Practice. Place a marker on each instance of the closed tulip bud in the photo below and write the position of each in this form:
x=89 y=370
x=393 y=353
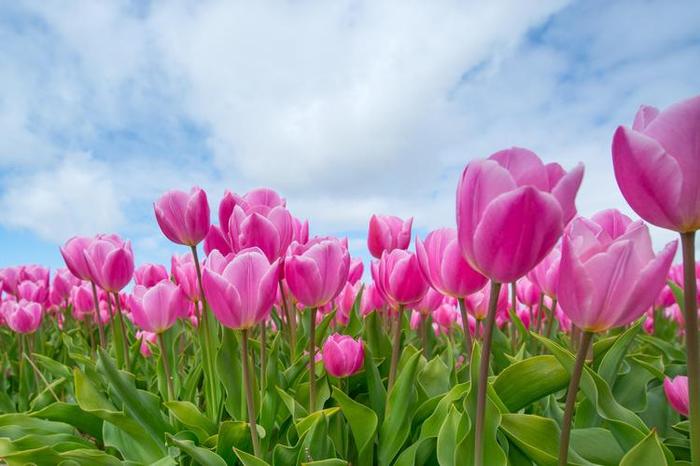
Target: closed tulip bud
x=342 y=355
x=271 y=230
x=317 y=271
x=445 y=316
x=676 y=390
x=156 y=309
x=73 y=252
x=478 y=303
x=371 y=300
x=527 y=292
x=183 y=217
x=184 y=271
x=431 y=301
x=149 y=274
x=444 y=267
x=399 y=278
x=511 y=211
x=345 y=301
x=63 y=283
x=23 y=316
x=656 y=164
x=387 y=232
x=609 y=276
x=83 y=302
x=111 y=262
x=242 y=294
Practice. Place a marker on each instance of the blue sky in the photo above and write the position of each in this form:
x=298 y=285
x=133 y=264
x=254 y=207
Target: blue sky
x=347 y=108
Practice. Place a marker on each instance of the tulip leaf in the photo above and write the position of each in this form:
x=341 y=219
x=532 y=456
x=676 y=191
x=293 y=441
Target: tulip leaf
x=610 y=363
x=190 y=416
x=72 y=414
x=400 y=404
x=434 y=377
x=198 y=454
x=529 y=380
x=375 y=386
x=597 y=445
x=230 y=373
x=449 y=436
x=363 y=421
x=648 y=452
x=232 y=434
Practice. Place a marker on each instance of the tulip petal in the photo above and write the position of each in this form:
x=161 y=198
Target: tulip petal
x=575 y=287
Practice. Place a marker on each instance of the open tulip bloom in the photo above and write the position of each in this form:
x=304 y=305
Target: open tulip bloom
x=277 y=348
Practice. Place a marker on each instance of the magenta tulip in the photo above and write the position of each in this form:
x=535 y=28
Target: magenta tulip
x=676 y=390
x=342 y=355
x=431 y=301
x=23 y=316
x=73 y=253
x=149 y=274
x=184 y=271
x=478 y=303
x=156 y=309
x=399 y=278
x=545 y=275
x=271 y=230
x=9 y=278
x=110 y=262
x=345 y=301
x=36 y=292
x=183 y=217
x=357 y=268
x=63 y=283
x=609 y=275
x=527 y=292
x=657 y=165
x=242 y=294
x=82 y=300
x=371 y=300
x=317 y=271
x=511 y=211
x=444 y=267
x=387 y=232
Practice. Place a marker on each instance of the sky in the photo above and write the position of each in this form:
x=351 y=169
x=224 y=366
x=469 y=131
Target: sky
x=347 y=108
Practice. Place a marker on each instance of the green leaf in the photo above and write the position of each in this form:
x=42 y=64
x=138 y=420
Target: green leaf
x=230 y=373
x=614 y=356
x=648 y=452
x=375 y=386
x=434 y=378
x=233 y=434
x=527 y=381
x=448 y=438
x=396 y=426
x=189 y=415
x=328 y=462
x=199 y=454
x=597 y=445
x=72 y=414
x=363 y=421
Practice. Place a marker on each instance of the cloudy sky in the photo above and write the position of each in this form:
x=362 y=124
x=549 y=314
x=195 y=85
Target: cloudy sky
x=346 y=107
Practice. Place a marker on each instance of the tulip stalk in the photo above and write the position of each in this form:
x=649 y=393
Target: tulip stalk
x=117 y=334
x=312 y=360
x=691 y=332
x=395 y=348
x=206 y=345
x=263 y=356
x=166 y=367
x=586 y=340
x=424 y=324
x=465 y=327
x=248 y=382
x=100 y=328
x=291 y=323
x=484 y=376
x=122 y=328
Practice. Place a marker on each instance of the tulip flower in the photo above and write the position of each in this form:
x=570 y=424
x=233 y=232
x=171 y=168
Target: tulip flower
x=83 y=303
x=241 y=296
x=29 y=290
x=184 y=271
x=9 y=277
x=345 y=301
x=149 y=274
x=23 y=317
x=656 y=164
x=183 y=217
x=386 y=233
x=271 y=230
x=342 y=355
x=609 y=276
x=676 y=390
x=61 y=286
x=371 y=300
x=357 y=268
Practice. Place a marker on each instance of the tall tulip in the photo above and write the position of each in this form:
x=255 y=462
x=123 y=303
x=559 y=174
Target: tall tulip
x=400 y=280
x=316 y=272
x=386 y=233
x=183 y=217
x=609 y=276
x=342 y=355
x=657 y=163
x=511 y=211
x=149 y=274
x=23 y=317
x=241 y=291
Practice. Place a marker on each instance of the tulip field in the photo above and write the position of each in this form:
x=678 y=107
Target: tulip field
x=521 y=334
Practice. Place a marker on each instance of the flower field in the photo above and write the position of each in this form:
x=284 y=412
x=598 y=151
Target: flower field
x=522 y=334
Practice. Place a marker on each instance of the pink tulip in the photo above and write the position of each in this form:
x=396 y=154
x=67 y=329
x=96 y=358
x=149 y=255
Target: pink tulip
x=147 y=339
x=609 y=276
x=444 y=267
x=527 y=292
x=317 y=271
x=524 y=316
x=399 y=278
x=676 y=390
x=342 y=356
x=345 y=301
x=149 y=274
x=445 y=316
x=63 y=283
x=657 y=165
x=478 y=303
x=242 y=294
x=83 y=303
x=183 y=218
x=387 y=233
x=545 y=275
x=300 y=229
x=36 y=292
x=371 y=300
x=184 y=271
x=111 y=262
x=9 y=277
x=216 y=240
x=73 y=252
x=511 y=211
x=260 y=199
x=156 y=309
x=431 y=301
x=271 y=230
x=357 y=268
x=416 y=320
x=23 y=316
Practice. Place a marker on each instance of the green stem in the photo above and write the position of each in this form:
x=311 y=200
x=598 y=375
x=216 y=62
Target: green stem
x=484 y=377
x=125 y=335
x=166 y=367
x=550 y=318
x=207 y=346
x=263 y=357
x=571 y=397
x=465 y=328
x=291 y=323
x=100 y=327
x=395 y=348
x=247 y=381
x=691 y=334
x=118 y=337
x=424 y=324
x=312 y=360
